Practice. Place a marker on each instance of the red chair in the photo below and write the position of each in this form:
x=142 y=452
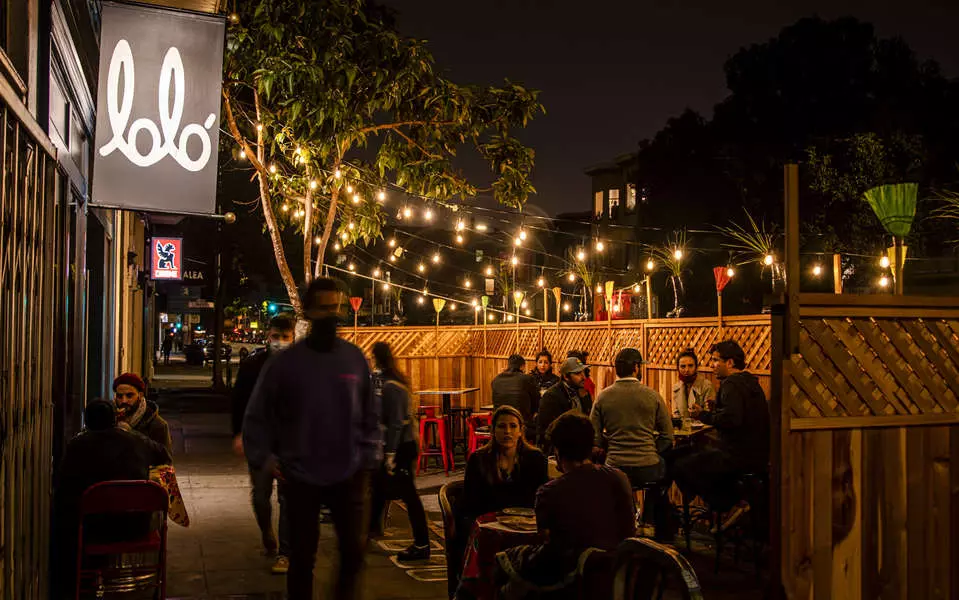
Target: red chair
x=478 y=437
x=438 y=427
x=123 y=498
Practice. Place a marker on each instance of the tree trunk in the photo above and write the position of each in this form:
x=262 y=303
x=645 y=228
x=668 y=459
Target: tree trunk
x=308 y=235
x=257 y=158
x=327 y=226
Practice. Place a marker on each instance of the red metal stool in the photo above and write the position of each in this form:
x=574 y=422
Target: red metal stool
x=438 y=427
x=477 y=437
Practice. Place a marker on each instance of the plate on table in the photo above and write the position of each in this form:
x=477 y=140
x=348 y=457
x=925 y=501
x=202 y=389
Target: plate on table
x=519 y=523
x=519 y=512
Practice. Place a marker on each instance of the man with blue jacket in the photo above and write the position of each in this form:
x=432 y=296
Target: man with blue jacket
x=313 y=412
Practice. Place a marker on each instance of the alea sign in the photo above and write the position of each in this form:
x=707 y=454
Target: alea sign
x=158 y=109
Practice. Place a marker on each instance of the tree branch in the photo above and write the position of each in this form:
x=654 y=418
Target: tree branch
x=415 y=144
x=396 y=126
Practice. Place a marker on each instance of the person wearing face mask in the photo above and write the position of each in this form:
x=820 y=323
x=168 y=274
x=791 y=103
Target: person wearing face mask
x=279 y=337
x=137 y=413
x=693 y=388
x=314 y=413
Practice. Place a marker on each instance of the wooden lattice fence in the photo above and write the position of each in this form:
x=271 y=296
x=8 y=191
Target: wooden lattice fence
x=451 y=356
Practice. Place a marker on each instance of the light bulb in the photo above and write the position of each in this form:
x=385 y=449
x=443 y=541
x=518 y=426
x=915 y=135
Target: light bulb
x=459 y=239
x=514 y=260
x=600 y=246
x=452 y=306
x=481 y=227
x=317 y=240
x=313 y=185
x=235 y=17
x=636 y=288
x=391 y=243
x=883 y=281
x=817 y=270
x=425 y=291
x=522 y=304
x=884 y=262
x=730 y=272
x=349 y=189
x=566 y=306
x=678 y=254
x=381 y=196
x=259 y=127
x=522 y=234
x=356 y=198
x=509 y=318
x=428 y=215
x=541 y=282
x=768 y=260
x=351 y=267
x=407 y=212
x=392 y=258
x=476 y=308
x=580 y=255
x=344 y=236
x=572 y=277
x=336 y=246
x=468 y=283
x=517 y=241
x=489 y=271
x=421 y=267
x=351 y=225
x=599 y=289
x=242 y=154
x=460 y=225
x=386 y=286
x=337 y=174
x=491 y=317
x=436 y=257
x=528 y=312
x=474 y=302
x=285 y=208
x=376 y=272
x=272 y=168
x=650 y=265
x=420 y=300
x=616 y=308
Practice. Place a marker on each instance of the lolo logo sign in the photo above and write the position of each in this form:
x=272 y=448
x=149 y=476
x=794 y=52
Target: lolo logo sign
x=158 y=109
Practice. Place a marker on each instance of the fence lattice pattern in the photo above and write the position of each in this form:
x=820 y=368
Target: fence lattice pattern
x=875 y=367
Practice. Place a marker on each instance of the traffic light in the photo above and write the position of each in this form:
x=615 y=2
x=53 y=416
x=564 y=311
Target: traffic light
x=272 y=308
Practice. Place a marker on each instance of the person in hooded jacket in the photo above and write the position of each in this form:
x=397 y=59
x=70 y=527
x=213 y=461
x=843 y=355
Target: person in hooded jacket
x=741 y=421
x=140 y=414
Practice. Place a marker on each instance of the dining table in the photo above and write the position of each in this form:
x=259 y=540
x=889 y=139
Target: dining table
x=492 y=533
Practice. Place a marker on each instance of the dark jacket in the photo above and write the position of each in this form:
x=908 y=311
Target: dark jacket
x=741 y=419
x=559 y=399
x=154 y=427
x=481 y=496
x=544 y=381
x=246 y=377
x=516 y=389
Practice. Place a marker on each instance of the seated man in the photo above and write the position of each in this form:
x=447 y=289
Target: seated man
x=589 y=506
x=515 y=388
x=140 y=414
x=105 y=451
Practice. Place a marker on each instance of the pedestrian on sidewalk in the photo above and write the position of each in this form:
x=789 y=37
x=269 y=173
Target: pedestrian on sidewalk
x=395 y=478
x=138 y=413
x=167 y=347
x=313 y=410
x=279 y=338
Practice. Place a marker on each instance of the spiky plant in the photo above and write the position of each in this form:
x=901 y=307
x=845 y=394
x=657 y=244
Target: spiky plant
x=949 y=210
x=754 y=243
x=671 y=255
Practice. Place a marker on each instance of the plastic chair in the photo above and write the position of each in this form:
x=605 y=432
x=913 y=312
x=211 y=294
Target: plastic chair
x=477 y=435
x=449 y=495
x=438 y=425
x=124 y=498
x=647 y=570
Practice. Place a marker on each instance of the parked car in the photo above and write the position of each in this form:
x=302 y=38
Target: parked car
x=226 y=351
x=194 y=354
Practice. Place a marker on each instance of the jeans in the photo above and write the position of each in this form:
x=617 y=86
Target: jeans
x=262 y=494
x=348 y=502
x=399 y=485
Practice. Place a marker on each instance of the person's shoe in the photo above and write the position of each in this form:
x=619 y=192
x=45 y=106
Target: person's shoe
x=280 y=566
x=414 y=552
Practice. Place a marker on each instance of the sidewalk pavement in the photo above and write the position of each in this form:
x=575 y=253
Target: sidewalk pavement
x=219 y=554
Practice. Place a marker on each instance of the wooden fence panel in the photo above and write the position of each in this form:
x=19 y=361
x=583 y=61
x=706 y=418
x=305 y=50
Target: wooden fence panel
x=869 y=463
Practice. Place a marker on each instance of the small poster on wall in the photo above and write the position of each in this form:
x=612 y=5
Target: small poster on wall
x=167 y=258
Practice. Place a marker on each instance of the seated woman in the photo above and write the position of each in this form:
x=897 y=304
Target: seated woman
x=589 y=506
x=504 y=473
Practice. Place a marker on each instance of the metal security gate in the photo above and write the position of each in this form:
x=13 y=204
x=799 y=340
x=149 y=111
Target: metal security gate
x=29 y=304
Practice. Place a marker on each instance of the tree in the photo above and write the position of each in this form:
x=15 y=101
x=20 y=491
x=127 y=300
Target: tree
x=331 y=106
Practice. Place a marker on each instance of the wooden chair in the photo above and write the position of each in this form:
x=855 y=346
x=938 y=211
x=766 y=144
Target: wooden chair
x=646 y=570
x=450 y=495
x=119 y=499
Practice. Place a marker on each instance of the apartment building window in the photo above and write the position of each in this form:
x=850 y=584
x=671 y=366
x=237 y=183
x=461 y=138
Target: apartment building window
x=613 y=199
x=14 y=41
x=598 y=204
x=630 y=197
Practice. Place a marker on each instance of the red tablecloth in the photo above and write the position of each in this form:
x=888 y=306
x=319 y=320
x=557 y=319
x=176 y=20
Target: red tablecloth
x=486 y=539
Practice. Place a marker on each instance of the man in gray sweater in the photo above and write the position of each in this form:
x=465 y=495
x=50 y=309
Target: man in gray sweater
x=633 y=422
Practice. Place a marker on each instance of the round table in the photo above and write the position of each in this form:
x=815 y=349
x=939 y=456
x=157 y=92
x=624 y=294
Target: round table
x=492 y=533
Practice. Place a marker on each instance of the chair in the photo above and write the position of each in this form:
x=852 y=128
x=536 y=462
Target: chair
x=441 y=450
x=646 y=570
x=123 y=498
x=450 y=495
x=479 y=431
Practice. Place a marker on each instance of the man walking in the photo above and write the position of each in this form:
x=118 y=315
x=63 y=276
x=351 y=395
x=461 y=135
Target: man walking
x=631 y=419
x=279 y=338
x=313 y=410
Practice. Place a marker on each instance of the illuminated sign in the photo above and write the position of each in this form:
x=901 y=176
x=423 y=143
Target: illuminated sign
x=167 y=258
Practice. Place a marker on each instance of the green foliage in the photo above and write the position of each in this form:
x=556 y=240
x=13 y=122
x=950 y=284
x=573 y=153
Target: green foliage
x=753 y=243
x=666 y=254
x=948 y=211
x=895 y=206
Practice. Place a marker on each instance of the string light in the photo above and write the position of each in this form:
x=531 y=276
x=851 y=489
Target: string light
x=474 y=302
x=421 y=267
x=650 y=265
x=344 y=236
x=884 y=262
x=386 y=287
x=514 y=261
x=522 y=235
x=476 y=308
x=883 y=281
x=420 y=300
x=460 y=225
x=234 y=17
x=436 y=257
x=242 y=154
x=313 y=184
x=391 y=243
x=285 y=208
x=566 y=306
x=351 y=225
x=481 y=227
x=522 y=304
x=467 y=284
x=392 y=258
x=425 y=291
x=407 y=212
x=272 y=168
x=490 y=317
x=528 y=312
x=259 y=127
x=636 y=288
x=730 y=272
x=459 y=239
x=428 y=215
x=376 y=272
x=509 y=318
x=356 y=198
x=337 y=174
x=678 y=254
x=541 y=282
x=572 y=277
x=517 y=242
x=452 y=306
x=351 y=267
x=336 y=246
x=599 y=289
x=817 y=270
x=600 y=246
x=381 y=196
x=349 y=189
x=580 y=256
x=317 y=240
x=489 y=271
x=768 y=260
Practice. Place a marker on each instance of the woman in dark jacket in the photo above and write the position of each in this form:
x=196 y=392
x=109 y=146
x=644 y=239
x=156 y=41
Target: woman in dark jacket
x=543 y=374
x=395 y=478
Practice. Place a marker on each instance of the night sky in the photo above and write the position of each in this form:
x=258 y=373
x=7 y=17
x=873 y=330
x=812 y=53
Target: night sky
x=612 y=72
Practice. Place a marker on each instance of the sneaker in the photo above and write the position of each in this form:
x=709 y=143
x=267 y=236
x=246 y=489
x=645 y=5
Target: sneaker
x=414 y=552
x=281 y=565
